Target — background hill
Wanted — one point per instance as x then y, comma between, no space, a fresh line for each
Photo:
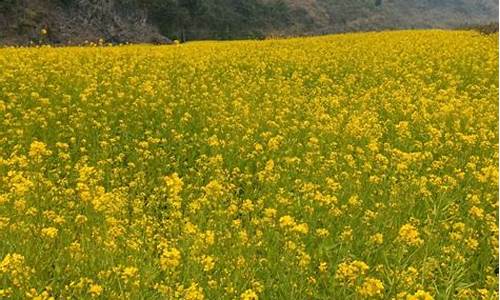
74,21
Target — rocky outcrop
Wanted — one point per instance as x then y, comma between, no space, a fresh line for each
83,21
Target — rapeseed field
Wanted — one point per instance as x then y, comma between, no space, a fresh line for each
356,166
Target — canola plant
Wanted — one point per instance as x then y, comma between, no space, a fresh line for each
354,166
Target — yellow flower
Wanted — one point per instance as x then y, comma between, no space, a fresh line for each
287,221
38,150
174,184
249,295
5,293
269,166
214,189
270,213
420,295
129,272
274,143
323,267
371,287
80,219
49,232
409,235
95,290
472,244
11,262
348,272
170,258
410,276
194,292
476,212
347,234
14,267
304,259
301,228
208,263
322,232
377,239
20,205
247,206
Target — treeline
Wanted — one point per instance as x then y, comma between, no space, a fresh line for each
219,19
202,19
489,28
136,21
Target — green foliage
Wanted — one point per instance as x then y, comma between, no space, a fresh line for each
490,28
7,6
222,19
242,19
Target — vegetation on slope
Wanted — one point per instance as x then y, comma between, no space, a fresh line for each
148,20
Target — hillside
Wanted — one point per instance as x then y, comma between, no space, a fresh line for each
74,21
376,14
